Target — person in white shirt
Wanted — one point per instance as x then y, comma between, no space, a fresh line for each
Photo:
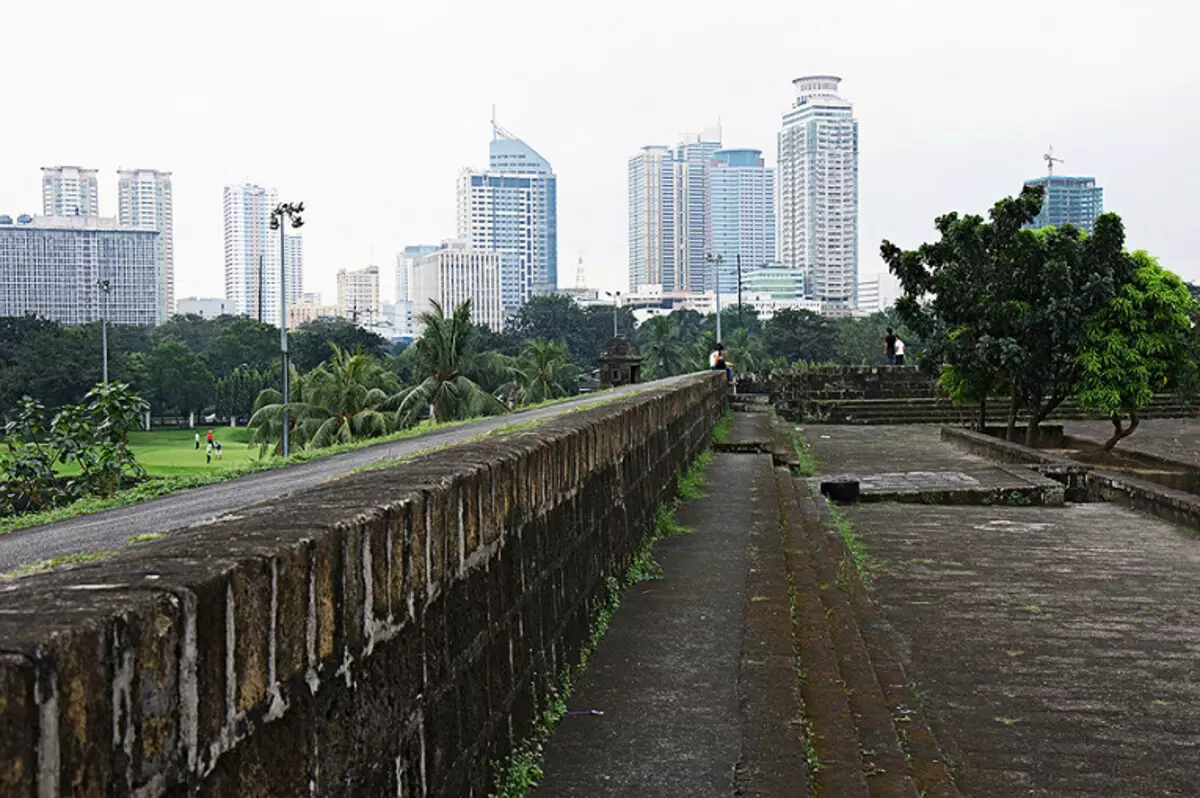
899,352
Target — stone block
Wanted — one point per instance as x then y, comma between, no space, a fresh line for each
292,576
18,726
250,584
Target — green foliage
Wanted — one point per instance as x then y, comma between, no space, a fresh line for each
542,372
237,392
91,437
174,377
243,342
585,330
857,550
723,428
663,353
315,342
800,335
1136,344
807,465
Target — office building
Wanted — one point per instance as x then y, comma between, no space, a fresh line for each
1069,200
669,214
453,274
818,191
144,201
741,214
358,293
512,208
402,314
774,280
55,266
308,310
252,255
870,295
209,308
70,191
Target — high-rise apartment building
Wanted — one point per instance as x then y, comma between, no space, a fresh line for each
1069,200
741,214
358,293
818,191
512,208
453,274
252,255
669,203
870,295
54,267
144,201
402,312
69,191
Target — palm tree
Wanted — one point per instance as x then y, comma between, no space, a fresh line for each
542,372
340,401
662,352
746,350
442,354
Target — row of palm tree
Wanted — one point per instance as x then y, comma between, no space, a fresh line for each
353,397
665,353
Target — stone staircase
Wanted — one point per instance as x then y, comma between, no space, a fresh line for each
861,724
933,410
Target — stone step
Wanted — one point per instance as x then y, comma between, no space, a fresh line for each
924,762
830,726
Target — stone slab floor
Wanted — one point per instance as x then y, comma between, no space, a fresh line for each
1177,438
1057,650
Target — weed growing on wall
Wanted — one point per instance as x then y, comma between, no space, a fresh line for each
806,461
854,545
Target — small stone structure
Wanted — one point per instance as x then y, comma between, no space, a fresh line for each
620,363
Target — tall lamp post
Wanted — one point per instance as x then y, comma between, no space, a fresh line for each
292,212
717,260
105,288
616,298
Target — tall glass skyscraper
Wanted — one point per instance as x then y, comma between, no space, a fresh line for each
741,214
144,201
1069,200
512,208
818,191
252,256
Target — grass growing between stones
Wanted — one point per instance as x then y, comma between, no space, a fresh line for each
523,769
806,461
723,428
76,559
854,546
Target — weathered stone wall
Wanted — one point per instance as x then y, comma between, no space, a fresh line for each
379,635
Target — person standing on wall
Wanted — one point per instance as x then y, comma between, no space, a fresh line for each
889,346
899,356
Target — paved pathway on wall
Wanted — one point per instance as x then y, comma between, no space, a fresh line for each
860,449
1177,438
110,529
666,675
1054,648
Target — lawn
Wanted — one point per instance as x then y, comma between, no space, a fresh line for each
172,452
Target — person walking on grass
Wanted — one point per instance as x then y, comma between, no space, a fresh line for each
210,437
218,450
889,346
208,452
197,441
899,352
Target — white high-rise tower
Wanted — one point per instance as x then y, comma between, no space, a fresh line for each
252,270
818,191
144,202
69,191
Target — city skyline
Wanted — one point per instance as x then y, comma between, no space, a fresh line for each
934,139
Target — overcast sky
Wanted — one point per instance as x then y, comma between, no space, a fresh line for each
367,109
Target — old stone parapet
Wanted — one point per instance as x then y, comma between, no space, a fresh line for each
383,634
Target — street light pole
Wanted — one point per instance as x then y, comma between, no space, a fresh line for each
292,212
717,260
739,267
616,298
105,286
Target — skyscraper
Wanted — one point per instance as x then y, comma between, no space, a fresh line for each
144,202
669,204
358,293
818,191
69,191
252,256
1069,200
512,208
741,214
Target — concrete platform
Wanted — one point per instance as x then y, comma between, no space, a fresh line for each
996,485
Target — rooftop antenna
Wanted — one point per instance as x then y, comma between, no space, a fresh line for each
1051,159
580,281
497,131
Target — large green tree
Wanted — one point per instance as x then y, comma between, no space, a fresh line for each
1137,344
663,354
175,378
244,342
313,343
800,335
542,372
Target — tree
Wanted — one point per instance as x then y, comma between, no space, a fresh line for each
799,335
244,342
236,393
194,330
1002,305
542,372
442,353
663,354
176,377
1136,343
311,345
690,325
585,330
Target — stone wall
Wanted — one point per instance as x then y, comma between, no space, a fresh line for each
380,635
809,392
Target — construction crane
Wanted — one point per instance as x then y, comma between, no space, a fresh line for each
1051,159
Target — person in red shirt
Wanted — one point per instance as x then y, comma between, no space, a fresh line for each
210,436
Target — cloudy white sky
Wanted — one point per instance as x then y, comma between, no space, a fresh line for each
367,109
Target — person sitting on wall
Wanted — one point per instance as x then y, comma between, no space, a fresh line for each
717,362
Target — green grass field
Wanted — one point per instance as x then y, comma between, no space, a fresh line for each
172,452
